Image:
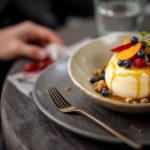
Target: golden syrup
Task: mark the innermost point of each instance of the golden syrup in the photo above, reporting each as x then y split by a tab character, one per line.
134	72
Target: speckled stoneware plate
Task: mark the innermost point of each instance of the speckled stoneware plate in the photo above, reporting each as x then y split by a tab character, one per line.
136	126
91	56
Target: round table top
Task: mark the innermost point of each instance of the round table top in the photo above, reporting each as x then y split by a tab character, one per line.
25	127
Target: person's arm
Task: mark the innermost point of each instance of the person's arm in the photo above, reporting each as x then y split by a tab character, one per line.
25	39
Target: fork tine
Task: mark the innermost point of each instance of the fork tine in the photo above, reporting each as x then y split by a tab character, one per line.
53	98
61	98
57	98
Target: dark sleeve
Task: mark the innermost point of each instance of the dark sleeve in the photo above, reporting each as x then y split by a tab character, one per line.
74	7
66	8
38	11
53	13
3	4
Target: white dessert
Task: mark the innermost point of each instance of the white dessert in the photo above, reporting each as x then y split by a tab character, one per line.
133	82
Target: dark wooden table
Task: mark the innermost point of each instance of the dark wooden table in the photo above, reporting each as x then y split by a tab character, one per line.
26	128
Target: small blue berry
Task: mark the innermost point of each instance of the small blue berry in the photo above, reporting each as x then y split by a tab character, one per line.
141	54
101	76
93	79
120	63
127	63
144	44
134	40
104	92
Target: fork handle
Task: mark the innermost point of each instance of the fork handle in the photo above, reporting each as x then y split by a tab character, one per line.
114	132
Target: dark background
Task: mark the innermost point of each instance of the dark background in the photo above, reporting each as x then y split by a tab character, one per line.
51	13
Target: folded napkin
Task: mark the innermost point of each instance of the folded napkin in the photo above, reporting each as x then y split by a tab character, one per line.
24	81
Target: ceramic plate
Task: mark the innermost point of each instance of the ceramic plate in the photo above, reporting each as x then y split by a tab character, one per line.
91	56
134	125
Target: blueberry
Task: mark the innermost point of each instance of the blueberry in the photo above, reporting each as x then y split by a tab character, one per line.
144	44
93	79
134	40
101	76
120	63
148	55
127	63
104	92
141	54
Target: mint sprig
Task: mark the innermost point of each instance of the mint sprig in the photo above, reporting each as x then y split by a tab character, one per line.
143	34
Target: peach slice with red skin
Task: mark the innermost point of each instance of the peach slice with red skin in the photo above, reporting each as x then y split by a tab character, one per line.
126	41
121	47
129	53
126	44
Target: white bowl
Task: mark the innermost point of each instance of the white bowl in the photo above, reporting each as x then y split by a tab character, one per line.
91	56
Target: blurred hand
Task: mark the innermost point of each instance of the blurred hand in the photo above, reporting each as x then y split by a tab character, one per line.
26	39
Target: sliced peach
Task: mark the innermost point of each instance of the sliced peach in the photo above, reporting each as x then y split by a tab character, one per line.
129	53
126	41
121	47
126	44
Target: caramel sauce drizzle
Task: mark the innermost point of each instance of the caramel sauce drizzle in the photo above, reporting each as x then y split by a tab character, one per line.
136	73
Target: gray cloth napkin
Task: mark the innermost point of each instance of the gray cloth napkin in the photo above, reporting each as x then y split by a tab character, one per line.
24	81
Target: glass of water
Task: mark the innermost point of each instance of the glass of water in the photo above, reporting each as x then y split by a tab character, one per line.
118	15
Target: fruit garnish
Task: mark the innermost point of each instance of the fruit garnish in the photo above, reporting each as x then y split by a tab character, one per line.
101	76
143	34
138	49
126	41
129	53
139	62
104	92
127	63
121	47
144	44
93	79
120	63
141	54
134	40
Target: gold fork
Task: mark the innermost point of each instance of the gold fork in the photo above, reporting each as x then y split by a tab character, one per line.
65	107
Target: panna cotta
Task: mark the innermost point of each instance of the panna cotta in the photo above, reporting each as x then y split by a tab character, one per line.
127	82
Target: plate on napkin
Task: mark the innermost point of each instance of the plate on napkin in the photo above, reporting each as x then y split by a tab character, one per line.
134	125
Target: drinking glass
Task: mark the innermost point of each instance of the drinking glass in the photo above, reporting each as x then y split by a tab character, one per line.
118	15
